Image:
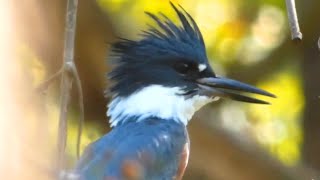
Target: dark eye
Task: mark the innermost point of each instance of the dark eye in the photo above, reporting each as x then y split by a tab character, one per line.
182	68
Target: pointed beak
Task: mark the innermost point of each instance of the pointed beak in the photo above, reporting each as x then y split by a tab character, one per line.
224	87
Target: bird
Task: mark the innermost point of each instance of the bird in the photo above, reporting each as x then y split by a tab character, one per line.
159	82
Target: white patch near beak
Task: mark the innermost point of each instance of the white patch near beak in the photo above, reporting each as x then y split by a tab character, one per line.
156	101
202	67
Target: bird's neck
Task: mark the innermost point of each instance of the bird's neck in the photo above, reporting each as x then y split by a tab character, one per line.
155	101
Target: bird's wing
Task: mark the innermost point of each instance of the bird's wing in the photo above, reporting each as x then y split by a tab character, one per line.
151	149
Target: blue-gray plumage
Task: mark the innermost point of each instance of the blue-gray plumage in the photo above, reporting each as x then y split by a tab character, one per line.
154	146
160	81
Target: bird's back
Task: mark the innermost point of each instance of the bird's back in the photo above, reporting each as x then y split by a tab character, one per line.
149	149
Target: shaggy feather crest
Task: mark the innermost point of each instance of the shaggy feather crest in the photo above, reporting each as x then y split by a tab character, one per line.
169	41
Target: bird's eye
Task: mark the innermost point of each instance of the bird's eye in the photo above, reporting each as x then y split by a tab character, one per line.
182	68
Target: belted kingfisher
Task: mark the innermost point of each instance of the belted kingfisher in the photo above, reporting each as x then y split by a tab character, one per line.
160	81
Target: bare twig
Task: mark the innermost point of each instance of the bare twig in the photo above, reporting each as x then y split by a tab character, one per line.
81	107
296	35
66	82
44	85
319	43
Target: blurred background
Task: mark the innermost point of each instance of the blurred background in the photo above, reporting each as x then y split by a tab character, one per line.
246	40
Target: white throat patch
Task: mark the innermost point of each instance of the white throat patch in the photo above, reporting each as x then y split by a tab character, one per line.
156	101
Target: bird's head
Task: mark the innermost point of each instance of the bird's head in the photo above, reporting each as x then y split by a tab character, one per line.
167	75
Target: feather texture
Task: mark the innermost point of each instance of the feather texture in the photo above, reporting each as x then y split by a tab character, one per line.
166	42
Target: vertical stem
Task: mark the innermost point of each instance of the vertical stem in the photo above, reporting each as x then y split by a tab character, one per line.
66	82
293	20
66	85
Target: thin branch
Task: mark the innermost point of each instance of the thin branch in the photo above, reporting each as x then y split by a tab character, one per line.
44	85
296	35
81	107
66	82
